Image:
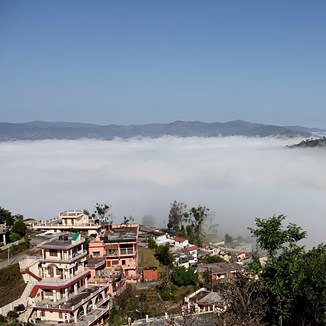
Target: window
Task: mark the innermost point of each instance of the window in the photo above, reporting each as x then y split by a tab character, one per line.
130	251
60	315
96	254
53	253
115	262
43	313
123	251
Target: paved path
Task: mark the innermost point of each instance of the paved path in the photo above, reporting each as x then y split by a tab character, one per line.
33	250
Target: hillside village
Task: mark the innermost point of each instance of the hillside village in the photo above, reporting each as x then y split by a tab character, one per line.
82	269
82	266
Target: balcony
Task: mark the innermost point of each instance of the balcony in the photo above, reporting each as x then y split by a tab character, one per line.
74	258
74	302
94	315
61	282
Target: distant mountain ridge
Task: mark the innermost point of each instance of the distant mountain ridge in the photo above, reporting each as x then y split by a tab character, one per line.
39	130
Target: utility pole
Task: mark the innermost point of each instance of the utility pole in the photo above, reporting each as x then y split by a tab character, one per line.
8	254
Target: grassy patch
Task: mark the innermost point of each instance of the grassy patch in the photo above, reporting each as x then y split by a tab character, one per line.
147	258
182	291
12	284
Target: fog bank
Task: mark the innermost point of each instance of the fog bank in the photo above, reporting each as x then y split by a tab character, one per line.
238	178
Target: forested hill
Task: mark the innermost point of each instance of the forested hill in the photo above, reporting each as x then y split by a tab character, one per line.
38	130
318	142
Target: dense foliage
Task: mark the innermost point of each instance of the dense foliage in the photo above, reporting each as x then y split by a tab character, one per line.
14	222
211	259
289	290
184	276
164	255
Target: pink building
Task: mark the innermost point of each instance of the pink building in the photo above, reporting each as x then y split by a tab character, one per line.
118	246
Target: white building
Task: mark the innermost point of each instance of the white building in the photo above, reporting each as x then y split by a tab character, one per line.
59	287
70	219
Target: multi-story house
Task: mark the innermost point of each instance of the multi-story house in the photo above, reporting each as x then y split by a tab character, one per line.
70	219
118	245
60	290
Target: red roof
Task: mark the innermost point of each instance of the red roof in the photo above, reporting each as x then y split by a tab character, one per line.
191	248
179	239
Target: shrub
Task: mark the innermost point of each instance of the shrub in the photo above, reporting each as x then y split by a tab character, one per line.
12	314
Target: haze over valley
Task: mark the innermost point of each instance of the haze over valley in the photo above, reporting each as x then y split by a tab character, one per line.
238	178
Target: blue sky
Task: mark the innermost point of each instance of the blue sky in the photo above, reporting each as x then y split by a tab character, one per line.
132	62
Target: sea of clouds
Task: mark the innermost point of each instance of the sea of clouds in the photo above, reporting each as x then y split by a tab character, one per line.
238	178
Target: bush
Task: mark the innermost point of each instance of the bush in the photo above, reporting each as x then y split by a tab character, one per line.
183	276
165	295
151	243
14	237
12	314
211	259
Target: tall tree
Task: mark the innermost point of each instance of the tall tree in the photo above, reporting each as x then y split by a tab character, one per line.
102	213
228	239
311	304
246	299
164	255
19	227
176	215
6	217
282	275
196	219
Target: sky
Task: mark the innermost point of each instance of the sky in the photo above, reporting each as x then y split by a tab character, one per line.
237	178
135	62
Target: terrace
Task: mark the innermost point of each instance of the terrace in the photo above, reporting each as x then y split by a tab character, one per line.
121	234
51	281
74	302
93	316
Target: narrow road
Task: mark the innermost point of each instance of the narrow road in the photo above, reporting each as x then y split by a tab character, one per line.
33	250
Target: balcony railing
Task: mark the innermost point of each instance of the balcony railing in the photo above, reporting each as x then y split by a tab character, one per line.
66	246
63	259
96	314
60	305
51	281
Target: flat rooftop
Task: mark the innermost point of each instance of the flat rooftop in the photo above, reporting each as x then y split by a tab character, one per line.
123	234
62	241
217	267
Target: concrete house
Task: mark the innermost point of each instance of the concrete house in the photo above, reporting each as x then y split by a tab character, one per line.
69	219
118	245
58	283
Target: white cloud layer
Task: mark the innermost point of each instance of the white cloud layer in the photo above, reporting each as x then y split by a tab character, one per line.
238	178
